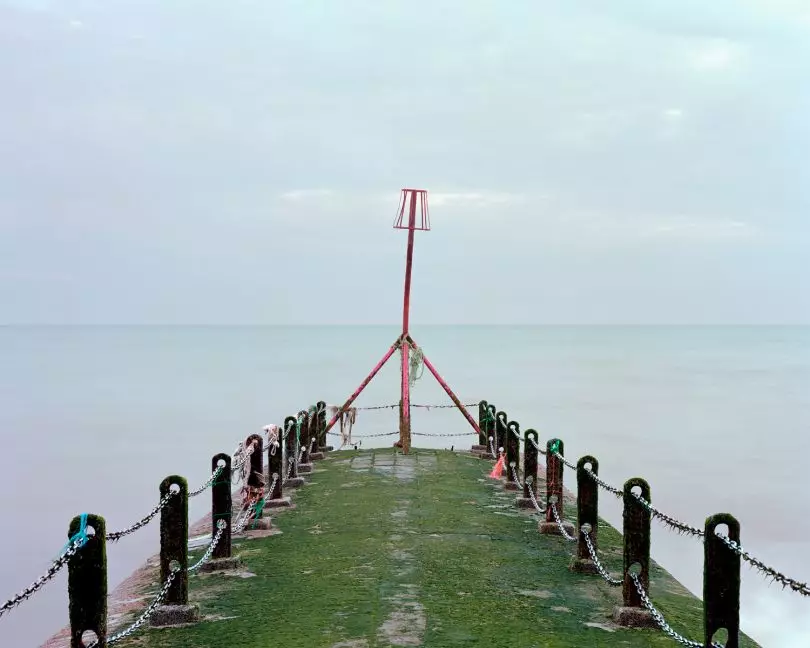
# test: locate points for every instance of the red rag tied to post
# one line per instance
(497, 471)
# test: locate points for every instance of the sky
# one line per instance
(239, 163)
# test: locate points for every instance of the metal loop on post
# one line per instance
(221, 504)
(256, 475)
(512, 448)
(291, 445)
(554, 478)
(303, 445)
(636, 530)
(501, 430)
(483, 411)
(174, 540)
(87, 580)
(721, 581)
(587, 505)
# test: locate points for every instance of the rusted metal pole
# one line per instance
(406, 307)
(446, 388)
(362, 386)
(405, 402)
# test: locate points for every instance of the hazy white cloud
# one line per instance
(672, 114)
(716, 55)
(474, 199)
(307, 195)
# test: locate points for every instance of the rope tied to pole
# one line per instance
(417, 366)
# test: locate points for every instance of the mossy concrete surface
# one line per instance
(384, 549)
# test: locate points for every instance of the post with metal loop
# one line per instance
(221, 507)
(291, 454)
(492, 433)
(501, 430)
(512, 454)
(87, 582)
(275, 475)
(636, 530)
(530, 454)
(721, 582)
(318, 423)
(307, 428)
(587, 515)
(323, 427)
(482, 446)
(554, 490)
(175, 609)
(255, 480)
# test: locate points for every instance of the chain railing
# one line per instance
(146, 613)
(429, 407)
(534, 501)
(146, 519)
(54, 569)
(221, 525)
(557, 519)
(661, 621)
(614, 582)
(208, 483)
(777, 576)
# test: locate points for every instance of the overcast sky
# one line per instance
(240, 162)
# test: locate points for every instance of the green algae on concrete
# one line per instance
(384, 549)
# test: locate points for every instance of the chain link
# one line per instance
(492, 446)
(610, 489)
(442, 434)
(272, 485)
(537, 447)
(208, 482)
(208, 552)
(393, 405)
(668, 520)
(290, 463)
(779, 577)
(515, 476)
(146, 614)
(117, 535)
(662, 623)
(563, 532)
(534, 501)
(47, 576)
(564, 460)
(614, 582)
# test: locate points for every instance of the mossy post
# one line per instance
(221, 504)
(303, 450)
(501, 430)
(587, 514)
(292, 426)
(175, 609)
(256, 475)
(174, 539)
(554, 489)
(636, 530)
(492, 424)
(322, 425)
(483, 412)
(530, 453)
(87, 582)
(721, 581)
(512, 454)
(275, 475)
(317, 432)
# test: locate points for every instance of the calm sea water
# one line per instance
(716, 419)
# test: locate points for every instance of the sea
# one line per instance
(716, 419)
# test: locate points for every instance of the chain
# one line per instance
(614, 582)
(534, 501)
(273, 485)
(208, 482)
(610, 489)
(220, 530)
(301, 454)
(442, 434)
(146, 614)
(117, 535)
(659, 618)
(563, 532)
(392, 406)
(368, 436)
(537, 447)
(48, 575)
(515, 476)
(312, 444)
(564, 460)
(492, 446)
(780, 578)
(289, 469)
(668, 520)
